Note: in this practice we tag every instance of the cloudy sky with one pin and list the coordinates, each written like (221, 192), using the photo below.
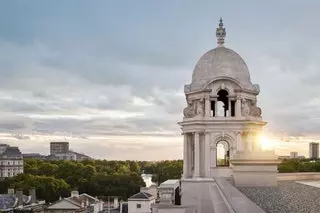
(108, 76)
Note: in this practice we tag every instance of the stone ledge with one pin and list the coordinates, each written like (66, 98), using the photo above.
(298, 176)
(237, 201)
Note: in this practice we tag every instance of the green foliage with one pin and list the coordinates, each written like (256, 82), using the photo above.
(100, 178)
(299, 165)
(165, 170)
(96, 177)
(47, 188)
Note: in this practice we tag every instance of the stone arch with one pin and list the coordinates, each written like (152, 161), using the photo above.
(222, 137)
(226, 139)
(221, 79)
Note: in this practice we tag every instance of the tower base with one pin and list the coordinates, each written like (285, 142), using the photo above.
(203, 194)
(257, 168)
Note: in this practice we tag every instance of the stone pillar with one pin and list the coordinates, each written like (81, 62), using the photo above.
(190, 154)
(229, 109)
(238, 107)
(216, 107)
(239, 142)
(185, 155)
(196, 155)
(207, 107)
(207, 155)
(214, 156)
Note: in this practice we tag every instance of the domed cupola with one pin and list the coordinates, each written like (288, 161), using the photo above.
(220, 63)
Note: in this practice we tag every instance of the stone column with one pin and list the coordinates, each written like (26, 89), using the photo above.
(196, 155)
(214, 156)
(249, 141)
(238, 107)
(207, 155)
(239, 142)
(229, 109)
(207, 107)
(216, 107)
(190, 154)
(185, 155)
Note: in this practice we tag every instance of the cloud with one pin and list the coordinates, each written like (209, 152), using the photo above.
(102, 70)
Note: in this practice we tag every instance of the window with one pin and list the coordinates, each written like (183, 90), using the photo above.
(138, 206)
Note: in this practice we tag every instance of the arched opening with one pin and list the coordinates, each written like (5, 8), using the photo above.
(223, 154)
(223, 103)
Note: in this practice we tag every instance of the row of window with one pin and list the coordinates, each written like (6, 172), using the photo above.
(9, 174)
(20, 162)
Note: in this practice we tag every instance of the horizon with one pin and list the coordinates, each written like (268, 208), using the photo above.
(109, 79)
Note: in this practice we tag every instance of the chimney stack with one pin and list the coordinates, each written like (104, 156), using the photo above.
(19, 194)
(115, 203)
(11, 190)
(32, 193)
(75, 193)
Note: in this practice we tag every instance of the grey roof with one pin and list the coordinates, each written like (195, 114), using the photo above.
(141, 195)
(7, 201)
(12, 151)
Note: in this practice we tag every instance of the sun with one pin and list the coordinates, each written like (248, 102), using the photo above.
(266, 144)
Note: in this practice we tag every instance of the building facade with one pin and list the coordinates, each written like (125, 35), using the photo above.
(61, 151)
(11, 161)
(313, 150)
(59, 147)
(140, 203)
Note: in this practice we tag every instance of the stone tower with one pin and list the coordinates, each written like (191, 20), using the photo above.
(222, 109)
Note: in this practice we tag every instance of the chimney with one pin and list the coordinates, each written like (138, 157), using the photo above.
(115, 203)
(19, 194)
(75, 193)
(11, 190)
(32, 193)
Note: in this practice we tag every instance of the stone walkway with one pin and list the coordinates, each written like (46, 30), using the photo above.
(288, 197)
(310, 183)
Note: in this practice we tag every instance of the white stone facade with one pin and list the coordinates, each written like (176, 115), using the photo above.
(222, 109)
(11, 161)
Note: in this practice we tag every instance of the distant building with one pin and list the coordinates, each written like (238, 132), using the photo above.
(59, 147)
(281, 157)
(141, 203)
(11, 161)
(293, 154)
(80, 156)
(61, 151)
(76, 203)
(62, 156)
(169, 192)
(34, 156)
(18, 201)
(313, 150)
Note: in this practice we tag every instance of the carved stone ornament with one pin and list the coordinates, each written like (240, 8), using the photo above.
(254, 110)
(200, 108)
(245, 107)
(189, 111)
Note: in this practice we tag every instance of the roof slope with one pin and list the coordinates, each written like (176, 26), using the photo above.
(141, 196)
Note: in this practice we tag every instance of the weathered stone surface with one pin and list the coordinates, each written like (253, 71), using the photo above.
(287, 197)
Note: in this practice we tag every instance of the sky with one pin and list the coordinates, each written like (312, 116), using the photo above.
(108, 76)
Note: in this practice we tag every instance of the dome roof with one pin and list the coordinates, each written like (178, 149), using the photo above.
(220, 62)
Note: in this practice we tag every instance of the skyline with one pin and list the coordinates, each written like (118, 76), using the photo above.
(109, 78)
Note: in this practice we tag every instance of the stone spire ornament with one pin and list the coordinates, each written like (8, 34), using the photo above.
(221, 33)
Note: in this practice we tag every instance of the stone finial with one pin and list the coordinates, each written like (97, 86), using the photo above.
(221, 33)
